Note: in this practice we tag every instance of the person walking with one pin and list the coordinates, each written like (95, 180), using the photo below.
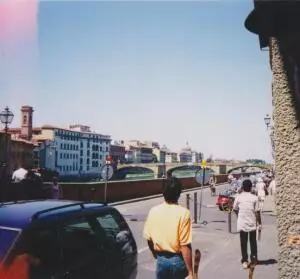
(56, 191)
(249, 220)
(19, 174)
(261, 190)
(168, 231)
(212, 185)
(272, 188)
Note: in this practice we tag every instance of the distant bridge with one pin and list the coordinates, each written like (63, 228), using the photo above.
(160, 169)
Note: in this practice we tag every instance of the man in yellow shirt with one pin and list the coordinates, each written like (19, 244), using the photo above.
(168, 230)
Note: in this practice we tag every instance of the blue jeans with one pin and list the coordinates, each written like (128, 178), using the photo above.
(170, 267)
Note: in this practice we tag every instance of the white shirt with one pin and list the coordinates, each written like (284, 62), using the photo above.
(19, 175)
(247, 204)
(272, 185)
(260, 188)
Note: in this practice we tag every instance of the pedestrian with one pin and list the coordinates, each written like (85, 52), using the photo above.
(168, 230)
(272, 188)
(212, 185)
(19, 174)
(249, 220)
(56, 191)
(261, 191)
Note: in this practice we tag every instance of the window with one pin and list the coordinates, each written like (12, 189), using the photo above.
(82, 246)
(61, 155)
(117, 233)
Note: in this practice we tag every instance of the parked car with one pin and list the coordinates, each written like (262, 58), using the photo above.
(65, 240)
(225, 199)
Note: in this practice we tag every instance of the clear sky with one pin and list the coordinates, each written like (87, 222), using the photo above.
(165, 71)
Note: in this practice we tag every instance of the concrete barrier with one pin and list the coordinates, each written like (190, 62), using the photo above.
(123, 190)
(117, 191)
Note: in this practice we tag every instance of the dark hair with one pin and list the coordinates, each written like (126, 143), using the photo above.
(247, 185)
(172, 190)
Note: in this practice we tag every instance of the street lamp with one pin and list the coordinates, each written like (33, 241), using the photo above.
(267, 120)
(6, 117)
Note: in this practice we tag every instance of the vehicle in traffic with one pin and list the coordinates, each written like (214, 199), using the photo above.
(54, 239)
(225, 199)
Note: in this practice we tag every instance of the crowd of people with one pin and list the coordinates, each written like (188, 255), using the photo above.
(27, 184)
(171, 245)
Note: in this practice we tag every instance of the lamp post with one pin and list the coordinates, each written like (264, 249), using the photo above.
(267, 120)
(6, 117)
(270, 128)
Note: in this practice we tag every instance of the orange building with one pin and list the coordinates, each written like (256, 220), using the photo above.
(20, 152)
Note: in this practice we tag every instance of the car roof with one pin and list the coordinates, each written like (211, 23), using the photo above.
(19, 214)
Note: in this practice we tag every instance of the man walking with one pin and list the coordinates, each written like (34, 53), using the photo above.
(261, 190)
(249, 219)
(168, 230)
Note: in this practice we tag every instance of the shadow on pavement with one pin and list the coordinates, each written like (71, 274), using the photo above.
(267, 262)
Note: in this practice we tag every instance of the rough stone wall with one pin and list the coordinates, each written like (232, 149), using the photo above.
(287, 162)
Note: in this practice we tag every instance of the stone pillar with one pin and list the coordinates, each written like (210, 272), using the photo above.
(287, 162)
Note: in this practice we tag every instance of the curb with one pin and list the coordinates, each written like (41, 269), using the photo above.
(158, 196)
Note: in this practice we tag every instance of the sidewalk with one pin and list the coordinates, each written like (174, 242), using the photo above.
(221, 251)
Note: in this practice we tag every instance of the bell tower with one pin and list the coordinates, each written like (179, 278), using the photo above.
(26, 122)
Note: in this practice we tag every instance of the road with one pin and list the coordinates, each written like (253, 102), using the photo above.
(213, 239)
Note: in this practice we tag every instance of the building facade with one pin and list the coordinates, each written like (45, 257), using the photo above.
(73, 152)
(138, 152)
(187, 155)
(171, 157)
(20, 152)
(117, 152)
(128, 155)
(159, 155)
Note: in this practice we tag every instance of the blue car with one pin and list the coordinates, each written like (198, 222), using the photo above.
(65, 240)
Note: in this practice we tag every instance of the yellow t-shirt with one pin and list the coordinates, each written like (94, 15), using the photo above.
(169, 226)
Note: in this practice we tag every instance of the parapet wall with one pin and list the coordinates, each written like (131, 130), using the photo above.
(123, 190)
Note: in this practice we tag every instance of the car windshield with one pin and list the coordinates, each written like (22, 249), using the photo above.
(7, 238)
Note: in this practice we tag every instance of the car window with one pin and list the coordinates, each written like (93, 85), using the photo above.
(117, 232)
(109, 224)
(7, 238)
(80, 243)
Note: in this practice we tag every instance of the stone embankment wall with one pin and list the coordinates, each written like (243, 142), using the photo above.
(123, 190)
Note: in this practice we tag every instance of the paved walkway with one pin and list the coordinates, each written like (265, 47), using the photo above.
(226, 264)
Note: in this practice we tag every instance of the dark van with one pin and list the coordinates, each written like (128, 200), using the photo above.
(65, 240)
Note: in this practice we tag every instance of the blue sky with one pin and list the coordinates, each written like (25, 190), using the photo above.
(165, 71)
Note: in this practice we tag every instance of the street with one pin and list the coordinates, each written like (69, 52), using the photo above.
(220, 250)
